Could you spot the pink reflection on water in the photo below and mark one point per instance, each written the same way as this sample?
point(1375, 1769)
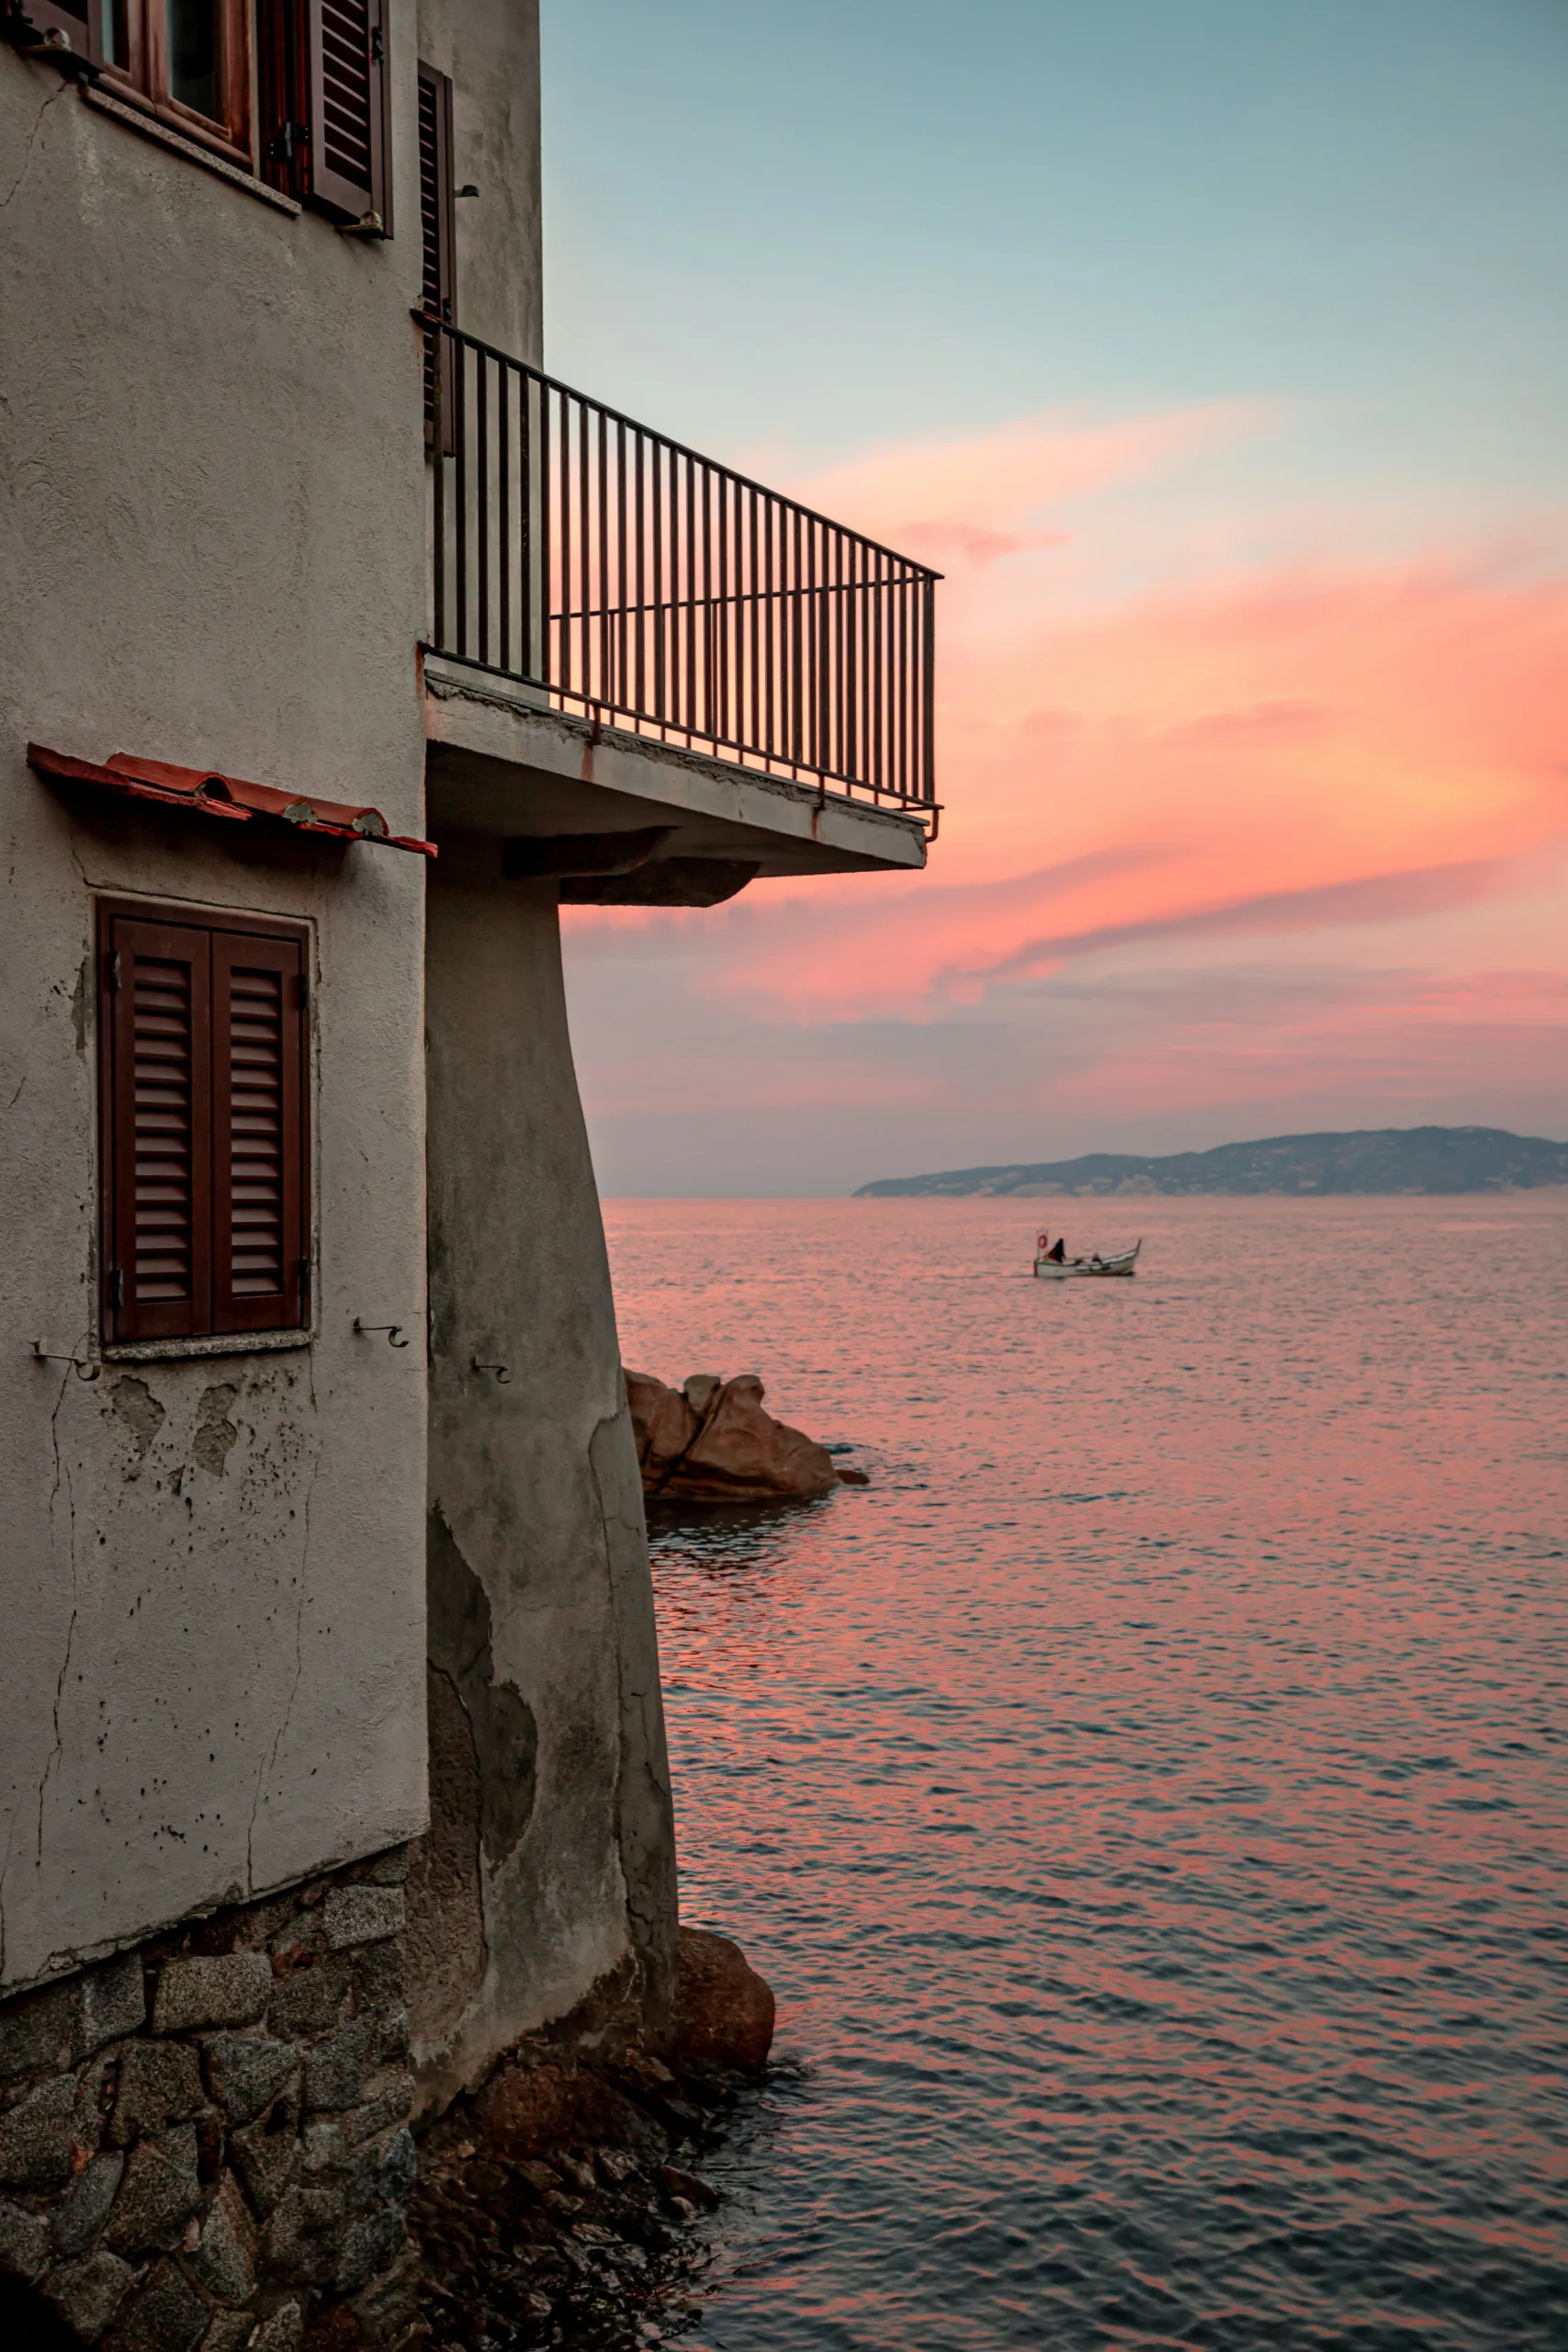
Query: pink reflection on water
point(1147, 1796)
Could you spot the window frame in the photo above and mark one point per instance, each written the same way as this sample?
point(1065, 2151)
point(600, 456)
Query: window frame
point(212, 1312)
point(141, 78)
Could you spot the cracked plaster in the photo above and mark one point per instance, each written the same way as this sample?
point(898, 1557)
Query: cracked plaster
point(212, 1680)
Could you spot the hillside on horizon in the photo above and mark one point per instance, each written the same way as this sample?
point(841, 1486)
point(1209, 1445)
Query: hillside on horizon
point(1364, 1159)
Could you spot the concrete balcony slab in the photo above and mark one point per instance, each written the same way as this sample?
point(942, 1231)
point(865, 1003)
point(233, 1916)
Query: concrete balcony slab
point(497, 762)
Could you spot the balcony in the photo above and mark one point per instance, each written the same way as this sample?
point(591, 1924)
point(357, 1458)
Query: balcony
point(606, 572)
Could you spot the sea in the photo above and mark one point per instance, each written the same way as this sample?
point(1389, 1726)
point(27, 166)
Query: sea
point(1146, 1797)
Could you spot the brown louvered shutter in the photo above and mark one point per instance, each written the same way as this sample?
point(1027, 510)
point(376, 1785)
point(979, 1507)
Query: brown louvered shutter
point(438, 287)
point(348, 151)
point(204, 1105)
point(259, 1253)
point(157, 1067)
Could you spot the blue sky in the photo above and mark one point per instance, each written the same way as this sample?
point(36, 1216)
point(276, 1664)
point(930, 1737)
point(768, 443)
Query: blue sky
point(828, 224)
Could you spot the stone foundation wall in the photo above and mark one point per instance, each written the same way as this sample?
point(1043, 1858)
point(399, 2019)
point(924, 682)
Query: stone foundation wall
point(204, 2142)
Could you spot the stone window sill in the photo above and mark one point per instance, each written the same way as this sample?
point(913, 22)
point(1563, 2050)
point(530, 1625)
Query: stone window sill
point(227, 1344)
point(150, 128)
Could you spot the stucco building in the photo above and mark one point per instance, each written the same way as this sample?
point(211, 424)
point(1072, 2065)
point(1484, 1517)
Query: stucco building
point(341, 646)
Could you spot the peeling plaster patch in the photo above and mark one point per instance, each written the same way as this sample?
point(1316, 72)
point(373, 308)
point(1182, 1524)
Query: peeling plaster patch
point(133, 1403)
point(216, 1434)
point(644, 1813)
point(445, 1952)
point(506, 1737)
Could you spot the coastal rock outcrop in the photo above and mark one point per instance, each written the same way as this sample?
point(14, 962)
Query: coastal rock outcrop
point(724, 2011)
point(553, 2207)
point(710, 1441)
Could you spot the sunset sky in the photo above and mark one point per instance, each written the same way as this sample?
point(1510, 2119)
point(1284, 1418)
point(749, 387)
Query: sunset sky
point(1218, 356)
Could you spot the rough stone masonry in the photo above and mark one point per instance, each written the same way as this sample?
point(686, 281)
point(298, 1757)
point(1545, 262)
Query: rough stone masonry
point(204, 2142)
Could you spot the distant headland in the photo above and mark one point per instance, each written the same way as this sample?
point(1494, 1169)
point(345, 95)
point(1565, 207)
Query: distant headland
point(1367, 1160)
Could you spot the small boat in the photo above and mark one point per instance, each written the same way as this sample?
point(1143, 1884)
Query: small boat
point(1059, 1270)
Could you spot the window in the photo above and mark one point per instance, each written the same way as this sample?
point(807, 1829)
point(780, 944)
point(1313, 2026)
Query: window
point(321, 133)
point(187, 61)
point(204, 1169)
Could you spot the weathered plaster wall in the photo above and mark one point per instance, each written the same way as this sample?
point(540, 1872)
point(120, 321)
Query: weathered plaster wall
point(212, 1676)
point(541, 1617)
point(490, 48)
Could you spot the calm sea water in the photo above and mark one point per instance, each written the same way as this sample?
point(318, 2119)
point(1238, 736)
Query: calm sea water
point(1148, 1798)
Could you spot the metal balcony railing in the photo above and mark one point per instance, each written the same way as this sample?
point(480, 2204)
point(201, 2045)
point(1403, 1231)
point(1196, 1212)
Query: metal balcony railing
point(628, 579)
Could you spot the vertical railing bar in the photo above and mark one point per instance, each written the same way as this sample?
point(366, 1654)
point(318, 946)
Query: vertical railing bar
point(438, 451)
point(689, 700)
point(546, 535)
point(602, 584)
point(723, 619)
point(770, 629)
point(659, 582)
point(863, 662)
point(815, 663)
point(928, 678)
point(880, 619)
point(525, 462)
point(754, 576)
point(892, 683)
point(712, 609)
point(503, 511)
point(797, 570)
point(757, 572)
point(904, 687)
point(585, 544)
point(621, 681)
point(639, 642)
point(570, 525)
point(843, 666)
point(460, 430)
point(895, 682)
point(561, 587)
point(482, 433)
point(850, 749)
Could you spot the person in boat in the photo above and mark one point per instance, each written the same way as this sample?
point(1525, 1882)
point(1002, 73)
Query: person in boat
point(1057, 1253)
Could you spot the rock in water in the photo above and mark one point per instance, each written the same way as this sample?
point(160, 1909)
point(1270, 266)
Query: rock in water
point(724, 2011)
point(712, 1442)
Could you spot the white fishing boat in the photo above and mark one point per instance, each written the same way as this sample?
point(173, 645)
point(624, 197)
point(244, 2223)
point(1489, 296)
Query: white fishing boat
point(1049, 1268)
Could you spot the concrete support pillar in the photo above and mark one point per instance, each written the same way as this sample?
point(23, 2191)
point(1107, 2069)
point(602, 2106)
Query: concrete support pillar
point(546, 1886)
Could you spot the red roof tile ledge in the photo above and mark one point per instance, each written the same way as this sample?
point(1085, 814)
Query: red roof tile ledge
point(207, 794)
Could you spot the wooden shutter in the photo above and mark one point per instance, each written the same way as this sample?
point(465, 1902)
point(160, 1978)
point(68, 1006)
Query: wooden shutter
point(258, 1171)
point(281, 96)
point(157, 1280)
point(348, 151)
point(438, 222)
point(205, 1175)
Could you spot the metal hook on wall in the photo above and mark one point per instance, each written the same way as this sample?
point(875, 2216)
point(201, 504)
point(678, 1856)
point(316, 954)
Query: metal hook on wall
point(82, 1366)
point(501, 1374)
point(393, 1331)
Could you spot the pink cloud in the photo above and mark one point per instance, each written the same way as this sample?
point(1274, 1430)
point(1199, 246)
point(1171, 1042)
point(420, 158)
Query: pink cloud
point(980, 497)
point(1370, 749)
